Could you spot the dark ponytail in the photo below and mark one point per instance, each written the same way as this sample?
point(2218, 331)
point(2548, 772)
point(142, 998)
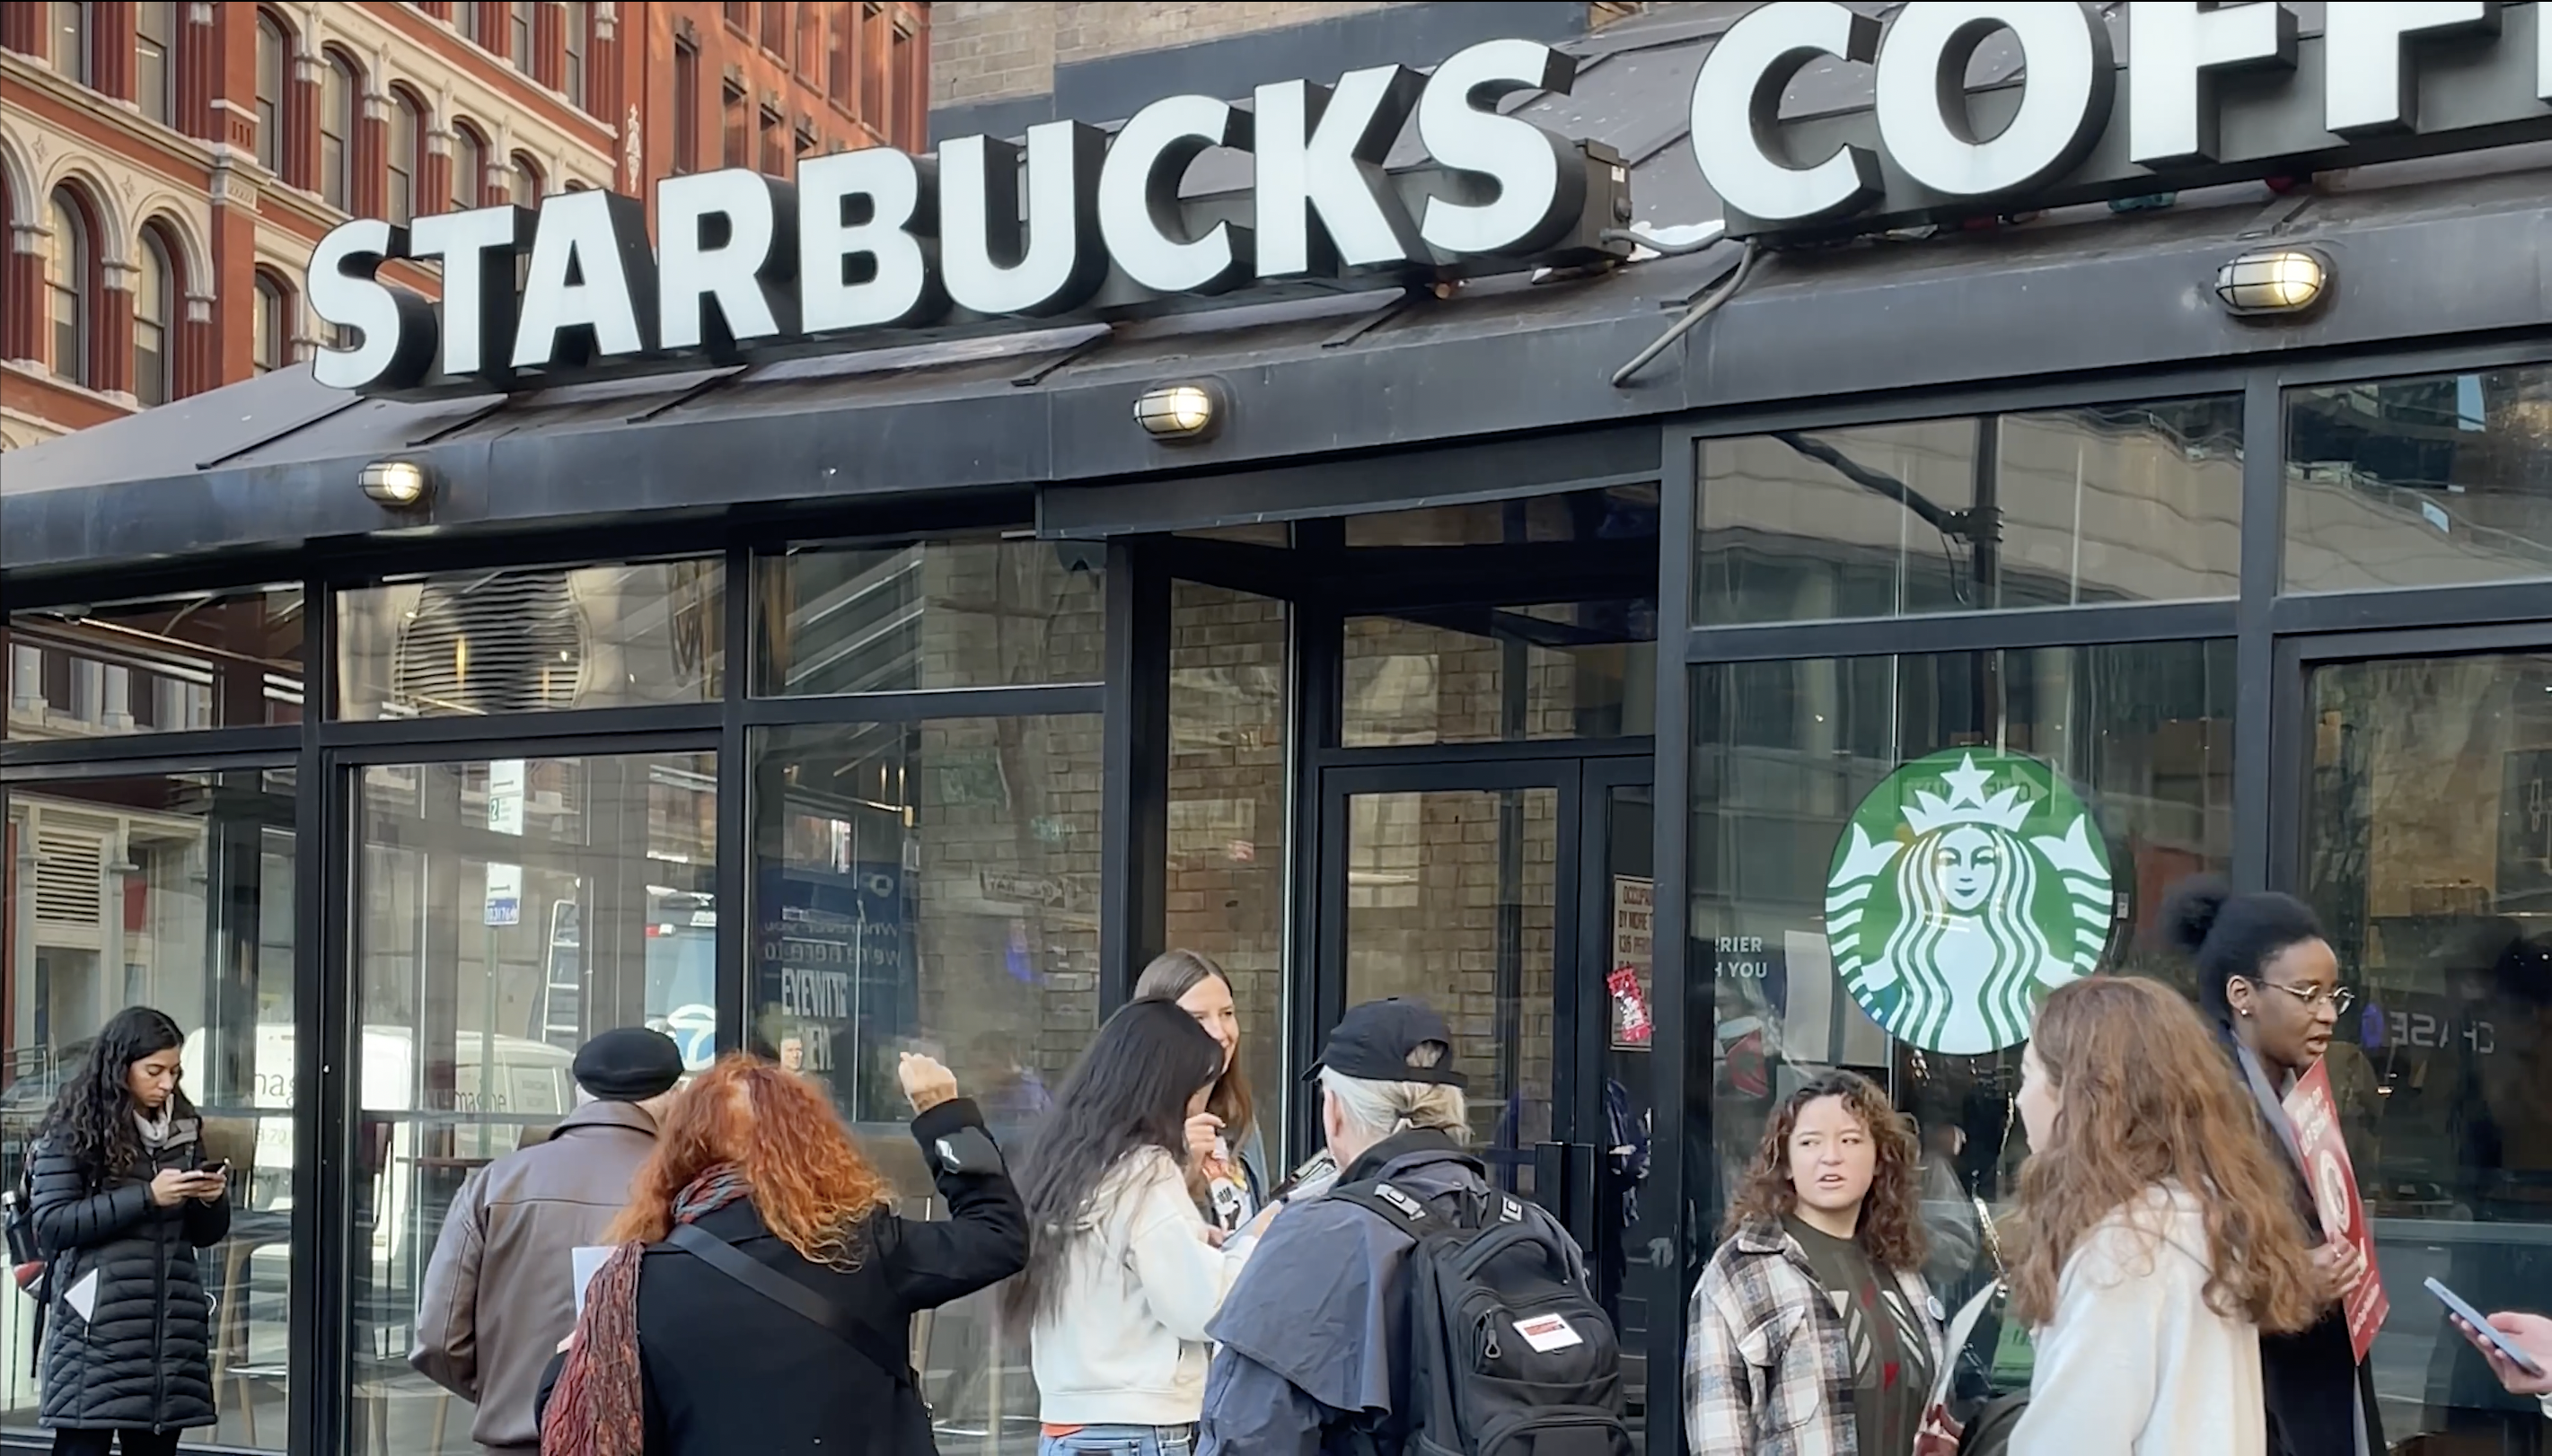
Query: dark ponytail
point(2229, 935)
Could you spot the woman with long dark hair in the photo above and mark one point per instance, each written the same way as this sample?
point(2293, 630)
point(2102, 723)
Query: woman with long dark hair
point(1124, 1272)
point(2158, 1242)
point(2272, 984)
point(761, 1294)
point(1226, 1155)
point(120, 1199)
point(1812, 1330)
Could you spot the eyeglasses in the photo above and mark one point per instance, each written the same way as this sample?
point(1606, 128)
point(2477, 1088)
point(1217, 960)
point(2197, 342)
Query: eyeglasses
point(2340, 997)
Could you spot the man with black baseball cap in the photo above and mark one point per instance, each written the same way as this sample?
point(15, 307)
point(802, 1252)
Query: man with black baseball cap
point(500, 1292)
point(1293, 1371)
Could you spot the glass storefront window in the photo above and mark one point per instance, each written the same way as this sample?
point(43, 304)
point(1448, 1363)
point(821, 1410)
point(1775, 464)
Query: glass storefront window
point(2433, 481)
point(464, 644)
point(2110, 503)
point(223, 660)
point(1226, 891)
point(933, 887)
point(1489, 674)
point(508, 910)
point(2106, 771)
point(930, 616)
point(2428, 855)
point(173, 891)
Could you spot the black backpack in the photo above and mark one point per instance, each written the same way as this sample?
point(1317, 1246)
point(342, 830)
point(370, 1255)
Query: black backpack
point(1509, 1354)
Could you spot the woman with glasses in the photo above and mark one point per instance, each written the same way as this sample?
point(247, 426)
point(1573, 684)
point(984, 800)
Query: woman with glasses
point(2272, 981)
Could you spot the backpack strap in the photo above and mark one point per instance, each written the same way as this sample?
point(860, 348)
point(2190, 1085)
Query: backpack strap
point(787, 1293)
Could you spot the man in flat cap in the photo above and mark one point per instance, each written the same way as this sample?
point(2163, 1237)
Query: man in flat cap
point(501, 1292)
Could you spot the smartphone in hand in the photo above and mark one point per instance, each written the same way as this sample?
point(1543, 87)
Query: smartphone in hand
point(2481, 1325)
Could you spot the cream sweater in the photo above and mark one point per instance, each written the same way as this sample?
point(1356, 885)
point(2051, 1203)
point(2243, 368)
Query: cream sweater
point(1125, 1342)
point(2135, 1362)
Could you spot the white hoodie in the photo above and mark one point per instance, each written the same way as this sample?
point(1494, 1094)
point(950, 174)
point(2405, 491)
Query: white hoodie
point(1125, 1342)
point(2135, 1362)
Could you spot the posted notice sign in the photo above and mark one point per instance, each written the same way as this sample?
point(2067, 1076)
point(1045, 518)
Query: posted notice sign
point(2314, 1111)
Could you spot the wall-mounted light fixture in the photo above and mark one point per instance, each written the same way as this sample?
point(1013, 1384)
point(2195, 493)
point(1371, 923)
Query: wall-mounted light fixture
point(1181, 412)
point(2274, 280)
point(398, 484)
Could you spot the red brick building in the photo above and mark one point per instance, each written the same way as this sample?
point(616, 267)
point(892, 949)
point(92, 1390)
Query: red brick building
point(164, 167)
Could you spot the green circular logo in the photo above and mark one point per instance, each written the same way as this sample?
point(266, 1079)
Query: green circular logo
point(1966, 886)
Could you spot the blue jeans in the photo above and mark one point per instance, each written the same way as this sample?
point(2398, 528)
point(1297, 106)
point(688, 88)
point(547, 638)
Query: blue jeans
point(1121, 1440)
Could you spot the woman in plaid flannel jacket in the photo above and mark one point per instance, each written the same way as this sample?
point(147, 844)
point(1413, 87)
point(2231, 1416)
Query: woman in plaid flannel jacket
point(1768, 1364)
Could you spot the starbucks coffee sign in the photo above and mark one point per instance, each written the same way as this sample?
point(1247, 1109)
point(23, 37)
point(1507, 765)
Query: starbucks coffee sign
point(1966, 885)
point(869, 245)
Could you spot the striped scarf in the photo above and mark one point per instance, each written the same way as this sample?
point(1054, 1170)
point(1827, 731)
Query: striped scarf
point(598, 1407)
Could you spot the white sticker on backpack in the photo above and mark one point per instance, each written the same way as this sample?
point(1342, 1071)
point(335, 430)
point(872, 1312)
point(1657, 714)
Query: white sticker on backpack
point(1547, 1332)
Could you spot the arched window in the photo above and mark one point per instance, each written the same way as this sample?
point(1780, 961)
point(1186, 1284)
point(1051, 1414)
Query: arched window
point(154, 49)
point(154, 298)
point(523, 181)
point(270, 331)
point(70, 27)
point(469, 167)
point(270, 53)
point(67, 288)
point(577, 25)
point(337, 88)
point(407, 155)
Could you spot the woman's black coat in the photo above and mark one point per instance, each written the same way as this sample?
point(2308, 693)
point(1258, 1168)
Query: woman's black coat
point(142, 1359)
point(730, 1370)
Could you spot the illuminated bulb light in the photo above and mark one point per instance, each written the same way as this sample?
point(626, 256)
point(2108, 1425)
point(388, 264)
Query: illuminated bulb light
point(397, 484)
point(1179, 411)
point(2274, 280)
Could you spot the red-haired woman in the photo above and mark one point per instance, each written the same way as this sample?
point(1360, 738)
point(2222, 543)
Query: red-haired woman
point(1812, 1331)
point(762, 1295)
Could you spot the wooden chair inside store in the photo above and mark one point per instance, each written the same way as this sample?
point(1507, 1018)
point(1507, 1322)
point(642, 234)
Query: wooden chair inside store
point(235, 1140)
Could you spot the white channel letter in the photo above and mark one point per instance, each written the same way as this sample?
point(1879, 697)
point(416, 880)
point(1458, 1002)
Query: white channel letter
point(1736, 113)
point(2366, 86)
point(2170, 108)
point(1138, 197)
point(1533, 168)
point(745, 275)
point(1321, 198)
point(901, 199)
point(589, 233)
point(343, 291)
point(987, 265)
point(1922, 96)
point(478, 248)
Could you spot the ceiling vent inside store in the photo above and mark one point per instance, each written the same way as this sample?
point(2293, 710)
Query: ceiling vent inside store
point(512, 642)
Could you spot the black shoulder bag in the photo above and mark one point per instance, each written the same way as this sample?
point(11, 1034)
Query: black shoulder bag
point(799, 1300)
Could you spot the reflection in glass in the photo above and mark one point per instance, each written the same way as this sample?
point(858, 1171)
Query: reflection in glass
point(506, 911)
point(1226, 811)
point(1450, 897)
point(471, 643)
point(223, 660)
point(1785, 754)
point(1621, 513)
point(2427, 852)
point(1487, 675)
point(172, 891)
point(934, 615)
point(2133, 502)
point(933, 887)
point(2430, 481)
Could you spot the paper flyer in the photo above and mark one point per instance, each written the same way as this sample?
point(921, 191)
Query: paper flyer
point(2314, 1111)
point(589, 1261)
point(1961, 1326)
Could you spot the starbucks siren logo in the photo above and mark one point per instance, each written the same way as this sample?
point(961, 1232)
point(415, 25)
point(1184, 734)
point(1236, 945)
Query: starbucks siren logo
point(1954, 903)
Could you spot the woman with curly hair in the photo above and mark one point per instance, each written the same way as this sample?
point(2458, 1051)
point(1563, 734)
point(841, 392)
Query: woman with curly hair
point(761, 1294)
point(2158, 1238)
point(1811, 1333)
point(122, 1198)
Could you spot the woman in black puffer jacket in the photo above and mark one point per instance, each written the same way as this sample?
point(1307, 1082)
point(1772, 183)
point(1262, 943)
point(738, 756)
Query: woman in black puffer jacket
point(121, 1201)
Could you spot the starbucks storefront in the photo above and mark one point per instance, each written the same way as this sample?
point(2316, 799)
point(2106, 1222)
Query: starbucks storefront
point(1683, 722)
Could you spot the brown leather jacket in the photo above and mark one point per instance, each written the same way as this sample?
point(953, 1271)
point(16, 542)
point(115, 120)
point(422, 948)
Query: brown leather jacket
point(501, 1292)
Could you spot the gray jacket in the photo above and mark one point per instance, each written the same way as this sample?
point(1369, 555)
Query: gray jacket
point(500, 1292)
point(1314, 1335)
